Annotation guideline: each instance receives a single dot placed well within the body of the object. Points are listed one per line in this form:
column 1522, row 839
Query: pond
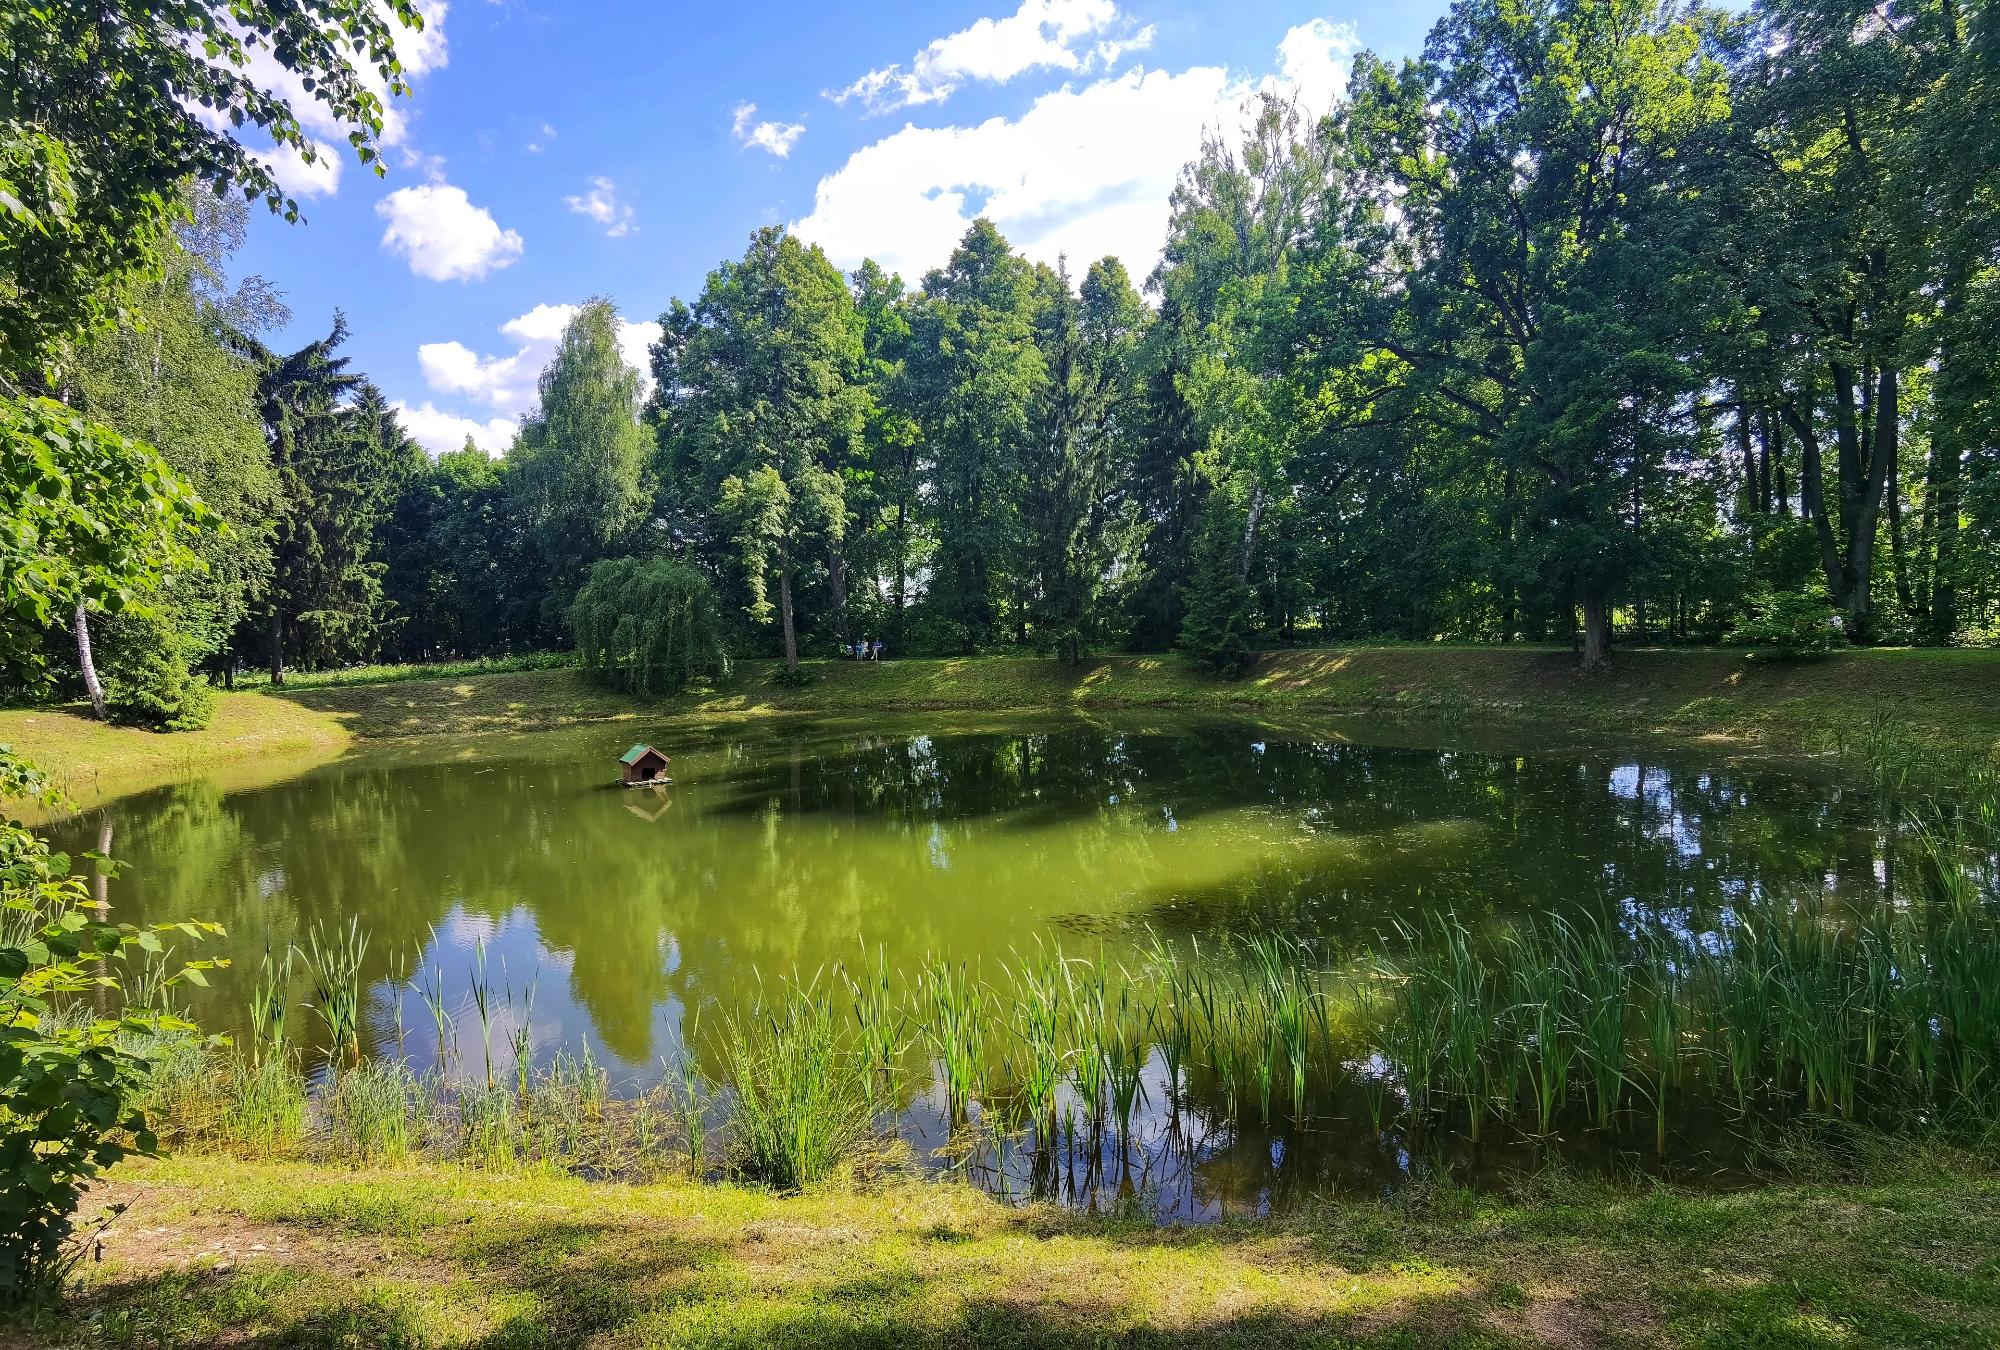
column 603, row 917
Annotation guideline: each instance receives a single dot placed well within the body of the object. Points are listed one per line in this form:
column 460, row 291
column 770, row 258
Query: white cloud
column 777, row 137
column 1110, row 52
column 321, row 178
column 543, row 135
column 601, row 204
column 1313, row 61
column 438, row 431
column 1084, row 171
column 421, row 51
column 443, row 236
column 506, row 384
column 1042, row 34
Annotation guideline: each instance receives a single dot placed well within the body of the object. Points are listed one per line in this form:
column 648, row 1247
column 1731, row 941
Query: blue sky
column 557, row 150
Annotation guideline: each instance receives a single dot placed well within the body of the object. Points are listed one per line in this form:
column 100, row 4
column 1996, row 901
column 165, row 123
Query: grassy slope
column 1901, row 1254
column 1951, row 695
column 252, row 740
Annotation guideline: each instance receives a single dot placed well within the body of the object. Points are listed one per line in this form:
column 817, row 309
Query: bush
column 148, row 684
column 648, row 625
column 1788, row 626
column 72, row 1079
column 1221, row 606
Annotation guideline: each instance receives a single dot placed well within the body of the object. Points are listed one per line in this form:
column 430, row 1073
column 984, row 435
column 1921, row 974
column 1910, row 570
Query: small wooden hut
column 643, row 764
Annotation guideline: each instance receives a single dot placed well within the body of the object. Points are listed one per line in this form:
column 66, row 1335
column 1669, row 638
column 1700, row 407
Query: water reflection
column 783, row 849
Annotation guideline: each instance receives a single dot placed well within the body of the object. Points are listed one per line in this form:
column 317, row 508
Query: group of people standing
column 865, row 649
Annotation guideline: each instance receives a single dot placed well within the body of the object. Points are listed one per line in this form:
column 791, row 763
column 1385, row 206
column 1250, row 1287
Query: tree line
column 1616, row 319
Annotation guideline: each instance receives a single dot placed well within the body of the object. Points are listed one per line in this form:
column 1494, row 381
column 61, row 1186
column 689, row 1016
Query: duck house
column 643, row 766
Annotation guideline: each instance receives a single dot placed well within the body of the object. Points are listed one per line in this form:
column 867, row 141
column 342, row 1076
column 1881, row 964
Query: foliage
column 577, row 463
column 87, row 516
column 107, row 111
column 648, row 625
column 70, row 1083
column 1219, row 605
column 759, row 407
column 1788, row 626
column 149, row 684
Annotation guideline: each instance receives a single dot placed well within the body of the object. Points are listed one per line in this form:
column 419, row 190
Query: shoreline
column 1944, row 700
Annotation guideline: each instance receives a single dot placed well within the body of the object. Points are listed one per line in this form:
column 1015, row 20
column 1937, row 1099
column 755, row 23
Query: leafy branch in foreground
column 74, row 1059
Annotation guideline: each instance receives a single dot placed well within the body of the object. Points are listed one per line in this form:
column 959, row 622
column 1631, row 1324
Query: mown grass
column 1944, row 697
column 1947, row 696
column 252, row 741
column 1898, row 1249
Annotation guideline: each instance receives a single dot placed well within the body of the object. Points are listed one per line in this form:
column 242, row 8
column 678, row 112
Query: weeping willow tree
column 648, row 625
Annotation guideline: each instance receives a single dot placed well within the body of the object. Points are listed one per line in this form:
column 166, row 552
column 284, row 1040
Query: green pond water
column 783, row 848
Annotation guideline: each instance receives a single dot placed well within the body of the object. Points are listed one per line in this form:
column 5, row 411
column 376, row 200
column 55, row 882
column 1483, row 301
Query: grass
column 1944, row 694
column 1940, row 697
column 1896, row 1250
column 253, row 741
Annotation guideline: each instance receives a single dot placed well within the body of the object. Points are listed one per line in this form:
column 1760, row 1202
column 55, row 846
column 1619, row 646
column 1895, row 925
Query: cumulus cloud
column 602, row 205
column 543, row 135
column 506, row 383
column 438, row 431
column 777, row 137
column 443, row 236
column 321, row 178
column 421, row 51
column 1084, row 171
column 1042, row 34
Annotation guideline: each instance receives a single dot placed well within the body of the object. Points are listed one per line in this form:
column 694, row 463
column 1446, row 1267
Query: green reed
column 801, row 1095
column 481, row 989
column 952, row 1008
column 1543, row 1035
column 521, row 1035
column 270, row 1002
column 1663, row 1003
column 372, row 1108
column 1128, row 1041
column 266, row 1105
column 1039, row 1016
column 333, row 966
column 1175, row 1017
column 1086, row 995
column 879, row 1018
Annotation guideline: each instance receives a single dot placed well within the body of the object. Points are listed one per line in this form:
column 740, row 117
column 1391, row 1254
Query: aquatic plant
column 371, row 1108
column 333, row 965
column 801, row 1095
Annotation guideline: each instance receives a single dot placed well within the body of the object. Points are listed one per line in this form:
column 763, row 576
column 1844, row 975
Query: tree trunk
column 1753, row 497
column 1596, row 631
column 785, row 613
column 91, row 684
column 1252, row 520
column 100, row 884
column 1812, row 497
column 836, row 580
column 277, row 644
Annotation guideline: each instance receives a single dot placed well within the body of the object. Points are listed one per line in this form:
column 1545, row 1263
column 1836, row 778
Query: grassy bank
column 252, row 740
column 1896, row 1249
column 1950, row 699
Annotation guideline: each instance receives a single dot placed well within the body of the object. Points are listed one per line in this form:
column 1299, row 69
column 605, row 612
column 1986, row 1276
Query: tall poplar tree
column 578, row 463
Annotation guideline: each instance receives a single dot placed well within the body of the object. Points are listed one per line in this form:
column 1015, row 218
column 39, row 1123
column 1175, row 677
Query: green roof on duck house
column 636, row 753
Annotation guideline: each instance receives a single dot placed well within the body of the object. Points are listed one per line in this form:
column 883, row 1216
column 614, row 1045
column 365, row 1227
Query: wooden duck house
column 643, row 766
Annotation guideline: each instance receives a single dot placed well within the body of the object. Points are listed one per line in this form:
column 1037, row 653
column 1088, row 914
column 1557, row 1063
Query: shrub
column 72, row 1080
column 1787, row 626
column 648, row 625
column 148, row 684
column 1221, row 606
